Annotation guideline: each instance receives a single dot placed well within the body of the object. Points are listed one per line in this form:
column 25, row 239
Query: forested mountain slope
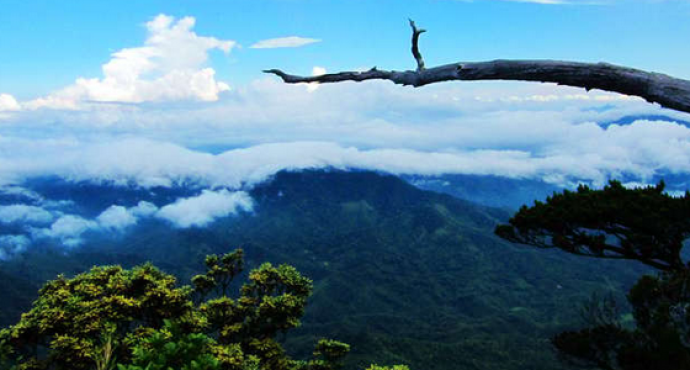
column 403, row 275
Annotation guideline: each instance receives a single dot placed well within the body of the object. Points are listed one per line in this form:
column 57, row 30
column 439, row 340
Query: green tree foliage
column 643, row 224
column 142, row 320
column 396, row 367
column 329, row 354
column 271, row 302
column 63, row 329
column 173, row 348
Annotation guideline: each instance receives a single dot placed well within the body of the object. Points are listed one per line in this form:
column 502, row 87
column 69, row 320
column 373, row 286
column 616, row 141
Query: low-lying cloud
column 590, row 153
column 209, row 205
column 70, row 229
column 116, row 218
column 583, row 152
column 21, row 213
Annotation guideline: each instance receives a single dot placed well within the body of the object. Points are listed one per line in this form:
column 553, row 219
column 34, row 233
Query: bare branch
column 669, row 92
column 415, row 45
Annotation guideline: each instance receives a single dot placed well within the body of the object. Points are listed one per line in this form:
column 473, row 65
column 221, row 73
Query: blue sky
column 184, row 78
column 47, row 44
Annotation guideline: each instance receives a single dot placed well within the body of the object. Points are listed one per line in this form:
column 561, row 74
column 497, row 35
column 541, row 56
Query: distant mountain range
column 492, row 191
column 626, row 120
column 404, row 275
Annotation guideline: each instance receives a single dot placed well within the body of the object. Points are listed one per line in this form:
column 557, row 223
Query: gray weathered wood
column 416, row 32
column 669, row 92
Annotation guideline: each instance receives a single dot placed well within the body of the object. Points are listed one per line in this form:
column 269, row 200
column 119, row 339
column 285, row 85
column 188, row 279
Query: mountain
column 487, row 190
column 402, row 274
column 626, row 120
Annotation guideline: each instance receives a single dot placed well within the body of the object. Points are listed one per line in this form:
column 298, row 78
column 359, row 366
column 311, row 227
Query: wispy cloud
column 284, row 42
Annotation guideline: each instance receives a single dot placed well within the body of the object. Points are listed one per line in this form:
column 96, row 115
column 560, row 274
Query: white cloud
column 522, row 144
column 116, row 218
column 316, row 71
column 24, row 214
column 68, row 229
column 284, row 42
column 202, row 209
column 144, row 209
column 8, row 103
column 367, row 115
column 558, row 153
column 119, row 217
column 169, row 67
column 512, row 129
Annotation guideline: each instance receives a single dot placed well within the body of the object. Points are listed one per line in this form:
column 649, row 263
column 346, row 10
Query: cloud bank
column 590, row 153
column 526, row 128
column 584, row 152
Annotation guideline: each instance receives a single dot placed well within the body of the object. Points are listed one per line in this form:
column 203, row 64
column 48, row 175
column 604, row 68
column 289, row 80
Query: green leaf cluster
column 171, row 347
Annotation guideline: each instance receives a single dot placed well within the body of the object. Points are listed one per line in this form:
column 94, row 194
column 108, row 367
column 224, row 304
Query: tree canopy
column 139, row 319
column 643, row 224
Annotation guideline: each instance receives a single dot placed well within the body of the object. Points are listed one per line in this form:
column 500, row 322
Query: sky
column 141, row 84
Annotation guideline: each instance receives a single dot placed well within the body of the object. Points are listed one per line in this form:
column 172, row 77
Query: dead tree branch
column 667, row 91
column 415, row 45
